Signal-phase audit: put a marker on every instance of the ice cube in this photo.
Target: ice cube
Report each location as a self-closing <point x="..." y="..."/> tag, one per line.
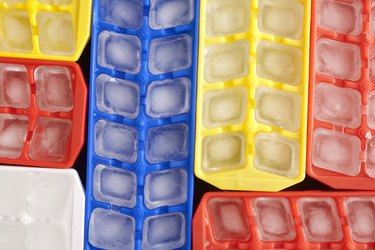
<point x="371" y="62"/>
<point x="278" y="108"/>
<point x="48" y="236"/>
<point x="340" y="16"/>
<point x="56" y="33"/>
<point x="371" y="110"/>
<point x="13" y="235"/>
<point x="336" y="105"/>
<point x="114" y="185"/>
<point x="338" y="59"/>
<point x="13" y="132"/>
<point x="223" y="152"/>
<point x="111" y="230"/>
<point x="117" y="96"/>
<point x="372" y="18"/>
<point x="278" y="62"/>
<point x="50" y="140"/>
<point x="167" y="98"/>
<point x="336" y="152"/>
<point x="170" y="53"/>
<point x="320" y="219"/>
<point x="274" y="219"/>
<point x="53" y="88"/>
<point x="225" y="107"/>
<point x="170" y="13"/>
<point x="370" y="157"/>
<point x="277" y="154"/>
<point x="165" y="188"/>
<point x="166" y="231"/>
<point x="228" y="219"/>
<point x="116" y="141"/>
<point x="361" y="217"/>
<point x="227" y="17"/>
<point x="123" y="13"/>
<point x="281" y="18"/>
<point x="167" y="143"/>
<point x="13" y="1"/>
<point x="120" y="52"/>
<point x="227" y="61"/>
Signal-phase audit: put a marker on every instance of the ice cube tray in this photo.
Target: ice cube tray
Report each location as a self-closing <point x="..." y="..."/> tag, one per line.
<point x="37" y="126"/>
<point x="41" y="208"/>
<point x="141" y="124"/>
<point x="341" y="114"/>
<point x="285" y="220"/>
<point x="252" y="93"/>
<point x="44" y="29"/>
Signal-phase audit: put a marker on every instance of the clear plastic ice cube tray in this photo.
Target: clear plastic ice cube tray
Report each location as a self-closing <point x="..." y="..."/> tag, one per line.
<point x="141" y="124"/>
<point x="252" y="93"/>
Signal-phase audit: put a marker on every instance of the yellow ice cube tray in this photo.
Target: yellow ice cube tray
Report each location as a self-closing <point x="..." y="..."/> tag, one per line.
<point x="252" y="95"/>
<point x="44" y="29"/>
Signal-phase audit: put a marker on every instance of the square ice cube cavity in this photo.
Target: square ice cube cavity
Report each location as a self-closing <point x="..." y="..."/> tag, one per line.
<point x="227" y="17"/>
<point x="14" y="86"/>
<point x="168" y="97"/>
<point x="281" y="18"/>
<point x="114" y="185"/>
<point x="371" y="63"/>
<point x="223" y="152"/>
<point x="278" y="62"/>
<point x="370" y="157"/>
<point x="228" y="61"/>
<point x="278" y="108"/>
<point x="122" y="13"/>
<point x="225" y="107"/>
<point x="13" y="132"/>
<point x="371" y="110"/>
<point x="338" y="59"/>
<point x="117" y="96"/>
<point x="277" y="155"/>
<point x="336" y="152"/>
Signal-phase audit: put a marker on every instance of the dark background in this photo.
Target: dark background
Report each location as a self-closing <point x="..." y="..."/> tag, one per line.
<point x="200" y="187"/>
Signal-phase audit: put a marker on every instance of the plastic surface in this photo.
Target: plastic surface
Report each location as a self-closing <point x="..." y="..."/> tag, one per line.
<point x="44" y="29"/>
<point x="285" y="220"/>
<point x="141" y="125"/>
<point x="252" y="93"/>
<point x="45" y="212"/>
<point x="341" y="128"/>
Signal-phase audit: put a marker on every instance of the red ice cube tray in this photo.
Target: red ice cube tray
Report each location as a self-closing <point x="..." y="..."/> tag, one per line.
<point x="285" y="220"/>
<point x="67" y="140"/>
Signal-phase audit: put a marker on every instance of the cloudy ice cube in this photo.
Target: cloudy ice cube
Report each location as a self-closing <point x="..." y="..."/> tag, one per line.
<point x="16" y="32"/>
<point x="123" y="13"/>
<point x="13" y="132"/>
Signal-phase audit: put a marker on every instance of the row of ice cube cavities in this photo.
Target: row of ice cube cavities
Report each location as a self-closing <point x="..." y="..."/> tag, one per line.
<point x="321" y="219"/>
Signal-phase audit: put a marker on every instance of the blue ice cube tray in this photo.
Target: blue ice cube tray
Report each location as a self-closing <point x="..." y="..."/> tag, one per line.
<point x="121" y="153"/>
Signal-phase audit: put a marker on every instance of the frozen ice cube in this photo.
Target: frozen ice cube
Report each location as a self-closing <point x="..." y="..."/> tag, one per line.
<point x="339" y="106"/>
<point x="336" y="152"/>
<point x="361" y="217"/>
<point x="371" y="62"/>
<point x="228" y="219"/>
<point x="227" y="17"/>
<point x="165" y="188"/>
<point x="15" y="1"/>
<point x="167" y="143"/>
<point x="226" y="61"/>
<point x="53" y="88"/>
<point x="370" y="157"/>
<point x="166" y="231"/>
<point x="340" y="16"/>
<point x="119" y="52"/>
<point x="123" y="13"/>
<point x="371" y="110"/>
<point x="111" y="230"/>
<point x="170" y="13"/>
<point x="117" y="96"/>
<point x="274" y="219"/>
<point x="320" y="219"/>
<point x="13" y="132"/>
<point x="225" y="107"/>
<point x="114" y="185"/>
<point x="14" y="86"/>
<point x="116" y="141"/>
<point x="50" y="140"/>
<point x="278" y="108"/>
<point x="167" y="98"/>
<point x="56" y="33"/>
<point x="338" y="59"/>
<point x="278" y="62"/>
<point x="223" y="152"/>
<point x="281" y="18"/>
<point x="170" y="53"/>
<point x="13" y="235"/>
<point x="48" y="236"/>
